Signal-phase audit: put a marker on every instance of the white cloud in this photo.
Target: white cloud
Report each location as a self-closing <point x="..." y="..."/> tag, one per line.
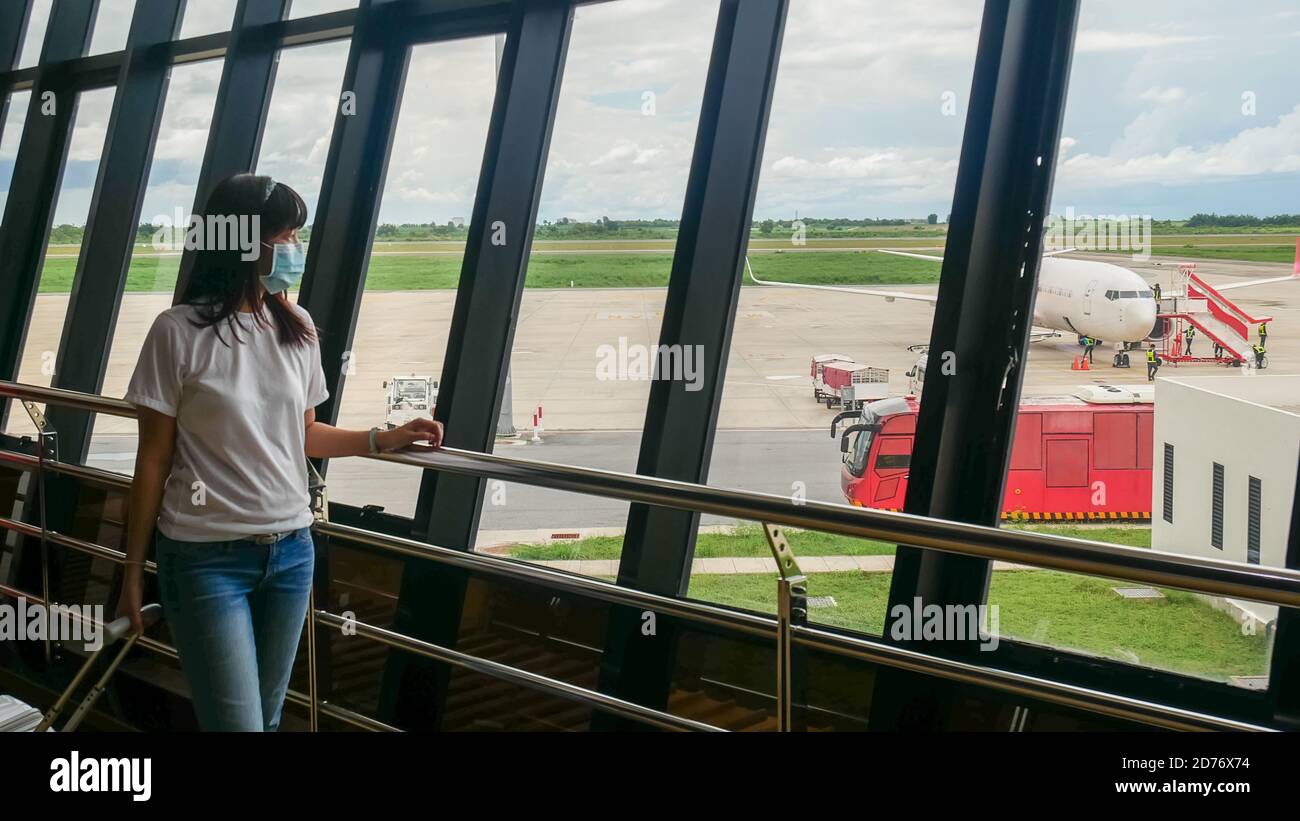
<point x="1091" y="40"/>
<point x="1272" y="149"/>
<point x="858" y="126"/>
<point x="1164" y="96"/>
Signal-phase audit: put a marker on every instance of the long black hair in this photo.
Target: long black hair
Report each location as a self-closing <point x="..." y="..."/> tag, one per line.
<point x="222" y="279"/>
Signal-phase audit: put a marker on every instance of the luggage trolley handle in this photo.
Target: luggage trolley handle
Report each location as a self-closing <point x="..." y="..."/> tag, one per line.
<point x="150" y="615"/>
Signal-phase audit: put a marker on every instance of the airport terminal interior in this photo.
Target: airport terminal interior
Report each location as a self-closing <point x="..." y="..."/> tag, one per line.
<point x="805" y="365"/>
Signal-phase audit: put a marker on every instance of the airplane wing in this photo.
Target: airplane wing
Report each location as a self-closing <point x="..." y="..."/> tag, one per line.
<point x="940" y="259"/>
<point x="1295" y="276"/>
<point x="1292" y="278"/>
<point x="910" y="254"/>
<point x="888" y="296"/>
<point x="1036" y="334"/>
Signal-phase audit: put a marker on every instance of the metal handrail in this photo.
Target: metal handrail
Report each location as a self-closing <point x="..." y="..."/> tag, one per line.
<point x="1116" y="706"/>
<point x="1214" y="576"/>
<point x="516" y="675"/>
<point x="1205" y="575"/>
<point x="66" y="398"/>
<point x="1218" y="577"/>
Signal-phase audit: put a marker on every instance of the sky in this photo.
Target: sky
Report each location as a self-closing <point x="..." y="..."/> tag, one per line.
<point x="1173" y="108"/>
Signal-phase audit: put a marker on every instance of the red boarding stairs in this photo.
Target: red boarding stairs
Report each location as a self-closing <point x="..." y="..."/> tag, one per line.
<point x="1217" y="320"/>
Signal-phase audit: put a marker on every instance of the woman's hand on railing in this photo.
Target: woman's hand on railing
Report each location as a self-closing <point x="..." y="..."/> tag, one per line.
<point x="417" y="430"/>
<point x="128" y="604"/>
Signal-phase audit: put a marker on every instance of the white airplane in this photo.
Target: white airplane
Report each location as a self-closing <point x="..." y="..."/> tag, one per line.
<point x="1082" y="297"/>
<point x="1076" y="296"/>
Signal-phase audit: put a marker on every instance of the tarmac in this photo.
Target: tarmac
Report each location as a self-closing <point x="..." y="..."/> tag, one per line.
<point x="563" y="336"/>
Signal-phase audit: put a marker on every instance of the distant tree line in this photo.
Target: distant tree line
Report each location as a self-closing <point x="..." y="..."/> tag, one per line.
<point x="606" y="228"/>
<point x="1240" y="221"/>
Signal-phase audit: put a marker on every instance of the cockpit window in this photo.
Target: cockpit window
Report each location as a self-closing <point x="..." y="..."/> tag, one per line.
<point x="1114" y="295"/>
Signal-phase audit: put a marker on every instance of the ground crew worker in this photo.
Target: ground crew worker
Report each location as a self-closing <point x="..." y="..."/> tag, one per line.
<point x="1218" y="350"/>
<point x="1155" y="289"/>
<point x="1153" y="363"/>
<point x="1259" y="355"/>
<point x="1263" y="334"/>
<point x="1088" y="344"/>
<point x="1188" y="335"/>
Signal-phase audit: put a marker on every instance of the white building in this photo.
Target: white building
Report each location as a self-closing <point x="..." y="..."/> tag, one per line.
<point x="1224" y="469"/>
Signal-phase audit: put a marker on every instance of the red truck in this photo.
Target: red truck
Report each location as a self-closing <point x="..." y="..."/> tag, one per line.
<point x="1084" y="456"/>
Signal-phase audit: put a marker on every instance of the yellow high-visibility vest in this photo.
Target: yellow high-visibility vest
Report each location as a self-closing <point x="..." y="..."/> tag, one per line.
<point x="1151" y="356"/>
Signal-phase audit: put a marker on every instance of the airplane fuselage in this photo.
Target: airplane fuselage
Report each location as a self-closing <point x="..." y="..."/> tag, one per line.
<point x="1107" y="302"/>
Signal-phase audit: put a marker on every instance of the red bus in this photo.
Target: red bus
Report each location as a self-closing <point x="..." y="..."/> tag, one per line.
<point x="1086" y="456"/>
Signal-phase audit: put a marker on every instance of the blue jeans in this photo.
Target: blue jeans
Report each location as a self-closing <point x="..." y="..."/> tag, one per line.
<point x="236" y="612"/>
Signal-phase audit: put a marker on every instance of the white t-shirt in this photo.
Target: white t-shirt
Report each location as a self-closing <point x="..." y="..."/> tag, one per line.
<point x="239" y="464"/>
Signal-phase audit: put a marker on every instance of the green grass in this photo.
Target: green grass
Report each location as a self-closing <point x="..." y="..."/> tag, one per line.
<point x="145" y="274"/>
<point x="1081" y="613"/>
<point x="420" y="272"/>
<point x="860" y="598"/>
<point x="400" y="273"/>
<point x="848" y="268"/>
<point x="748" y="541"/>
<point x="1239" y="253"/>
<point x="1180" y="632"/>
<point x="1133" y="536"/>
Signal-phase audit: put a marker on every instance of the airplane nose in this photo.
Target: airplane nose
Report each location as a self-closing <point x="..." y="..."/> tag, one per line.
<point x="1144" y="317"/>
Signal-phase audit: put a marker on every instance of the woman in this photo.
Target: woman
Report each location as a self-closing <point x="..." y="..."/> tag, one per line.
<point x="226" y="388"/>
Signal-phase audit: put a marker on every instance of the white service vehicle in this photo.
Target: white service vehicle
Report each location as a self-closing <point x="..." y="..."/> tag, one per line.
<point x="410" y="397"/>
<point x="817" y="371"/>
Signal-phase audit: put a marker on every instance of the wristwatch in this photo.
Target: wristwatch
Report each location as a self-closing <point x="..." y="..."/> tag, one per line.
<point x="374" y="440"/>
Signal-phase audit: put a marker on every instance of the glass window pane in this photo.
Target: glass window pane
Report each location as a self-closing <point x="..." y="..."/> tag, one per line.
<point x="112" y="25"/>
<point x="35" y="36"/>
<point x="861" y="158"/>
<point x="401" y="340"/>
<point x="155" y="260"/>
<point x="301" y="117"/>
<point x="306" y="8"/>
<point x="10" y="137"/>
<point x="597" y="278"/>
<point x="208" y="17"/>
<point x="72" y="204"/>
<point x="1157" y="144"/>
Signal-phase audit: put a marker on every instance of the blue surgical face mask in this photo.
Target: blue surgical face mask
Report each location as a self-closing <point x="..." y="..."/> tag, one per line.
<point x="286" y="267"/>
